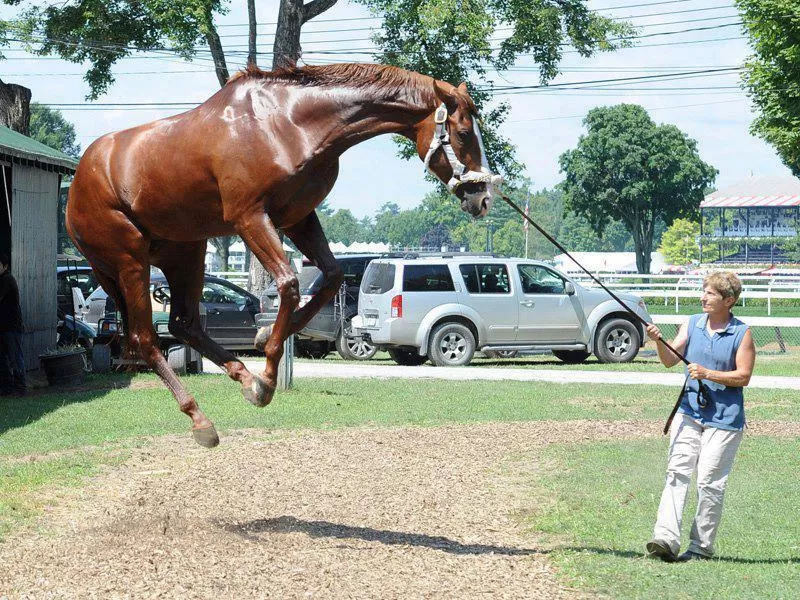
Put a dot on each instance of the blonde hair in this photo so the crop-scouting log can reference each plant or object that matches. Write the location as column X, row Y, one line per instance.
column 724, row 282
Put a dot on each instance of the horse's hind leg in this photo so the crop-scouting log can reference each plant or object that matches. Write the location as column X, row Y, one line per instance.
column 120, row 251
column 183, row 266
column 134, row 281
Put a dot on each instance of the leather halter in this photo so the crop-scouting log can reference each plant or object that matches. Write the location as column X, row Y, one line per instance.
column 461, row 175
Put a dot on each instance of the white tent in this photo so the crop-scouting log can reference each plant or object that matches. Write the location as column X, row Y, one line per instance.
column 358, row 247
column 610, row 262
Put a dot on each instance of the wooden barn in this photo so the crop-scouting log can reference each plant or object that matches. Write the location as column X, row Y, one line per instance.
column 31, row 177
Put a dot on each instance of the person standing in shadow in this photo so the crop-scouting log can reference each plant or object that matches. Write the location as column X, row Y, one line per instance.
column 12, row 360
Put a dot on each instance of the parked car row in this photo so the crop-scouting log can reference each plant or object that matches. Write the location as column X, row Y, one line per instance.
column 441, row 309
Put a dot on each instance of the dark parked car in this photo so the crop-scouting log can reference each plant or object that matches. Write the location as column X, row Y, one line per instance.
column 68, row 277
column 330, row 327
column 230, row 310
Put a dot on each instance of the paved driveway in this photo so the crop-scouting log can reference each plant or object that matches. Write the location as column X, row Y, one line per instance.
column 352, row 370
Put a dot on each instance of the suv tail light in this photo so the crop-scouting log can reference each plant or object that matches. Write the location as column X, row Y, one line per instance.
column 397, row 307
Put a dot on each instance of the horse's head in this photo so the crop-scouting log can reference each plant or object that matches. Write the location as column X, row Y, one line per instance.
column 449, row 141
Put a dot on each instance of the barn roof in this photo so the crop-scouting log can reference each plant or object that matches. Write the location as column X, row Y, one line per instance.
column 755, row 192
column 18, row 147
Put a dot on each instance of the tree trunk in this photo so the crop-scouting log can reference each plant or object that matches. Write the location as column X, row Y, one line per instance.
column 642, row 231
column 15, row 107
column 251, row 18
column 286, row 49
column 215, row 45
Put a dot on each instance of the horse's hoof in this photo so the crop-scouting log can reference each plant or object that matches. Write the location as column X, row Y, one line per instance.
column 262, row 335
column 206, row 436
column 259, row 393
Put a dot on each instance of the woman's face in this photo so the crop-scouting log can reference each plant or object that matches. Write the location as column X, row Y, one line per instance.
column 712, row 301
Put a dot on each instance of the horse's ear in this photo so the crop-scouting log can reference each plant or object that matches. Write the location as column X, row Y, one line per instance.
column 462, row 87
column 444, row 91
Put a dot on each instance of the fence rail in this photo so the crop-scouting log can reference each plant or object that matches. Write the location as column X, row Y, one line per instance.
column 676, row 287
column 778, row 334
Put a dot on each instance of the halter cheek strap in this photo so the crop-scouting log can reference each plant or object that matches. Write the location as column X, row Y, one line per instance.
column 461, row 175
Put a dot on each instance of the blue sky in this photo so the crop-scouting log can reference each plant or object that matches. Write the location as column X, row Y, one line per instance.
column 709, row 107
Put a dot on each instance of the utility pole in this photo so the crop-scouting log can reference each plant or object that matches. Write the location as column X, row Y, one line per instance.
column 525, row 222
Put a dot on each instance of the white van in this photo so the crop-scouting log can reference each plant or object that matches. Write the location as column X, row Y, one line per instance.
column 444, row 308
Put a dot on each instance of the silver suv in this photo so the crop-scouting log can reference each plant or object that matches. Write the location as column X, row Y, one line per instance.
column 444, row 308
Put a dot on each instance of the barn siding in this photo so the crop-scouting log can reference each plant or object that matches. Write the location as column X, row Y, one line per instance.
column 33, row 238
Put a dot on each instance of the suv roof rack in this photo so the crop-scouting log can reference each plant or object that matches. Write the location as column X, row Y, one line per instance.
column 414, row 255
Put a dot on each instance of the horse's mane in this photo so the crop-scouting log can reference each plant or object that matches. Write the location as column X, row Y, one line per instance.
column 376, row 77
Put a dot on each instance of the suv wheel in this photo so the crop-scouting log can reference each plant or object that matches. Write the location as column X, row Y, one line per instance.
column 571, row 357
column 407, row 358
column 451, row 345
column 617, row 341
column 353, row 348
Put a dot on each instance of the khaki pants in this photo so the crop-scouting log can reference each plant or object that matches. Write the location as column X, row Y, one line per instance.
column 711, row 451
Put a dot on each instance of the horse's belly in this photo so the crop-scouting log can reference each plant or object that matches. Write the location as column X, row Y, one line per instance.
column 181, row 220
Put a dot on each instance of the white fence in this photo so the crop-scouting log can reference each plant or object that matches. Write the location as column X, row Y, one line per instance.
column 675, row 287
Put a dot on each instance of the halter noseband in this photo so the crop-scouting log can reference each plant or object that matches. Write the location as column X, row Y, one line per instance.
column 461, row 175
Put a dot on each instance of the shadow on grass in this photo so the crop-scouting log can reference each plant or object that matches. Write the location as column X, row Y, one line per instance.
column 326, row 529
column 20, row 411
column 642, row 555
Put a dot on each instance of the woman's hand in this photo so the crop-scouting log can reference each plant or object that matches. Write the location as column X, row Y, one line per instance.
column 697, row 371
column 653, row 332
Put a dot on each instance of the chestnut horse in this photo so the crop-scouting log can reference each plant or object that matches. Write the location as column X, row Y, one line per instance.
column 254, row 159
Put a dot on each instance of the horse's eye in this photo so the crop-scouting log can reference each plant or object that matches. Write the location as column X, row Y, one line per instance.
column 463, row 135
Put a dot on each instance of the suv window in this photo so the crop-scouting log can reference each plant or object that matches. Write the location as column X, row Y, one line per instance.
column 378, row 279
column 539, row 280
column 485, row 278
column 427, row 278
column 353, row 271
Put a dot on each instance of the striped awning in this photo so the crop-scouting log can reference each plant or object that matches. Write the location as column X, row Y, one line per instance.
column 771, row 191
column 713, row 201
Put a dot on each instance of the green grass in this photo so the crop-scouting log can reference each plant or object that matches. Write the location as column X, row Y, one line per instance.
column 66, row 420
column 767, row 363
column 55, row 440
column 601, row 504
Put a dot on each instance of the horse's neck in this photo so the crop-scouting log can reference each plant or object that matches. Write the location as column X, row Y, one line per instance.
column 353, row 116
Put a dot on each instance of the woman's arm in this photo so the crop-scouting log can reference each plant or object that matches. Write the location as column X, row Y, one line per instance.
column 740, row 377
column 666, row 356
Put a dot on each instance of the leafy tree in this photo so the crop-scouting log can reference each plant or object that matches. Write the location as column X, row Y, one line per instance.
column 627, row 168
column 343, row 227
column 452, row 40
column 509, row 240
column 383, row 219
column 49, row 127
column 772, row 75
column 679, row 244
column 436, row 237
column 407, row 228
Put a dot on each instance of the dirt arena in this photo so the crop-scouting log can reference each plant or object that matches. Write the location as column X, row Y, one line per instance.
column 355, row 513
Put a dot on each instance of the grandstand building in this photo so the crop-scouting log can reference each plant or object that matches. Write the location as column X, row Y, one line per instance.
column 751, row 221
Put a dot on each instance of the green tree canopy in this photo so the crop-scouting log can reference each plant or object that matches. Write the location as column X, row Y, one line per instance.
column 453, row 40
column 772, row 75
column 49, row 127
column 629, row 169
column 679, row 243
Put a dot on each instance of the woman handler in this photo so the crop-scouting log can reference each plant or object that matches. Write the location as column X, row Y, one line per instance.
column 707, row 429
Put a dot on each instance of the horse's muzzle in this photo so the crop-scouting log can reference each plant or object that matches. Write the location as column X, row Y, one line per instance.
column 475, row 197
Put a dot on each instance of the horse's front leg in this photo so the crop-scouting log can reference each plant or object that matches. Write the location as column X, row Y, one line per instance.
column 310, row 239
column 260, row 235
